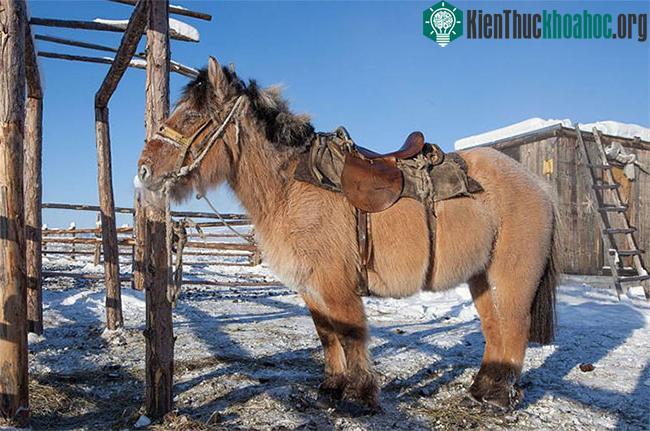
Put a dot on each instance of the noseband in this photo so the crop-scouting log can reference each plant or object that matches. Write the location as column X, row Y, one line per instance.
column 184, row 143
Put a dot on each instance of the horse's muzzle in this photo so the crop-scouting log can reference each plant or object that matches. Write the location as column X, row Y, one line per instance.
column 148, row 196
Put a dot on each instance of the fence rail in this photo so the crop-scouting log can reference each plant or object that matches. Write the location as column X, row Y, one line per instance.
column 212, row 245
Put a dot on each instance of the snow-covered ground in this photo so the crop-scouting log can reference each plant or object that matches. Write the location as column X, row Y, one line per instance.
column 249, row 358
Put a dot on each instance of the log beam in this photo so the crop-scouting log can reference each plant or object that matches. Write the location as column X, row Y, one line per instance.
column 175, row 10
column 14, row 400
column 92, row 25
column 236, row 219
column 125, row 52
column 176, row 67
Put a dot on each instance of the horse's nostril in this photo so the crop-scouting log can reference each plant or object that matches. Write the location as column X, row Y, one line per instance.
column 145, row 172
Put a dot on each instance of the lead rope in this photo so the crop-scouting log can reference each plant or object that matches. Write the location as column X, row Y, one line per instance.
column 172, row 290
column 223, row 220
column 175, row 269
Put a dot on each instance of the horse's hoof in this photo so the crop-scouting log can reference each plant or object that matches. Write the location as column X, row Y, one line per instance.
column 332, row 388
column 364, row 388
column 356, row 409
column 501, row 398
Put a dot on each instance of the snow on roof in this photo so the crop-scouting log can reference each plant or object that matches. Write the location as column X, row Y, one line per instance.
column 608, row 127
column 175, row 25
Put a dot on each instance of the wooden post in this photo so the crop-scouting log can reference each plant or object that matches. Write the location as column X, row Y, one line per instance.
column 109, row 233
column 73, row 245
column 14, row 401
column 128, row 45
column 97, row 258
column 33, row 186
column 159, row 330
column 33, row 218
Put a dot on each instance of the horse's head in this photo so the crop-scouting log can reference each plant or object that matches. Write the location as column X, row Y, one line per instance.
column 194, row 148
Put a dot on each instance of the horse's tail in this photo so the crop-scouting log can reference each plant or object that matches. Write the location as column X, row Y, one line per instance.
column 542, row 310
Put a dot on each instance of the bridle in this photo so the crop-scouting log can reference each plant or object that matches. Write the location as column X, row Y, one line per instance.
column 169, row 135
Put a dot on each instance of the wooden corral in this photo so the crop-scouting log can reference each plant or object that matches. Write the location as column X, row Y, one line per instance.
column 21, row 184
column 552, row 153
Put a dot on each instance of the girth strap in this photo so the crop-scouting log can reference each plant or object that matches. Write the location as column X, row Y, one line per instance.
column 364, row 242
column 431, row 227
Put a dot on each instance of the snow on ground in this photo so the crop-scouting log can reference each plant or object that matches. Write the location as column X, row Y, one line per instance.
column 613, row 128
column 249, row 358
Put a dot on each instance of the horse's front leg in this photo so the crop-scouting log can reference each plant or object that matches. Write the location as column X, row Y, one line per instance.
column 339, row 305
column 335, row 380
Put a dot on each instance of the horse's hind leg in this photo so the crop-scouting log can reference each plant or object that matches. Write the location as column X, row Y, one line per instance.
column 335, row 365
column 511, row 295
column 513, row 298
column 484, row 303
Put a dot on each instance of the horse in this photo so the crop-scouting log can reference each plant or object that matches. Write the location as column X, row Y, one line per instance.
column 502, row 241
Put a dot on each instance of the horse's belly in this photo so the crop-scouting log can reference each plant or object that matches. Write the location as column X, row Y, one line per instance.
column 401, row 249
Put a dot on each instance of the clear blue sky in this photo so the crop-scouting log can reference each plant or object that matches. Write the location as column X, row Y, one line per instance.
column 364, row 65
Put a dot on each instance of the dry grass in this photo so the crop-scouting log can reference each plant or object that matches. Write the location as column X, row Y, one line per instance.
column 48, row 400
column 177, row 422
column 8, row 423
column 451, row 415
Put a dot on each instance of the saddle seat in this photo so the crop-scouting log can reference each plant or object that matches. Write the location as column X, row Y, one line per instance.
column 373, row 182
column 413, row 146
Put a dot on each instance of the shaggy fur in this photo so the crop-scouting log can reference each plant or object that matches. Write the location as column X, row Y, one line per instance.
column 500, row 240
column 281, row 126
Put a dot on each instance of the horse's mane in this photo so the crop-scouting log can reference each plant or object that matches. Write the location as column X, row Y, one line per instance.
column 281, row 126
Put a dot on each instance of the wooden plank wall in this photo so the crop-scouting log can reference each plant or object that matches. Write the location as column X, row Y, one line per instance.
column 640, row 204
column 581, row 245
column 582, row 249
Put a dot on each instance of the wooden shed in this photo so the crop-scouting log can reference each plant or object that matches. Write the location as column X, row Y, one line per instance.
column 552, row 152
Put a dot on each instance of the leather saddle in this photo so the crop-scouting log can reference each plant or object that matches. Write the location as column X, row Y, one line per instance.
column 373, row 182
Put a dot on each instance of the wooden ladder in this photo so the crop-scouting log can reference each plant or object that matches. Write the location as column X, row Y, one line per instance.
column 614, row 225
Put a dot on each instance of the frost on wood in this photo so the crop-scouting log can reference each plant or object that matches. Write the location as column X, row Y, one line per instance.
column 178, row 27
column 608, row 127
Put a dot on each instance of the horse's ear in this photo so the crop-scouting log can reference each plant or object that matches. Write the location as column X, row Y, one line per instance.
column 217, row 78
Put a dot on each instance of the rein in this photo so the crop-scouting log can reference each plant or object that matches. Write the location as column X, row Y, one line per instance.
column 184, row 143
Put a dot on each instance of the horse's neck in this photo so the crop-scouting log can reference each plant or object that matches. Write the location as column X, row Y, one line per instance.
column 261, row 180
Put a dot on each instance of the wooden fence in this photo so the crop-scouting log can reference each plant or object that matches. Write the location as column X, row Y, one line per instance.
column 213, row 245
